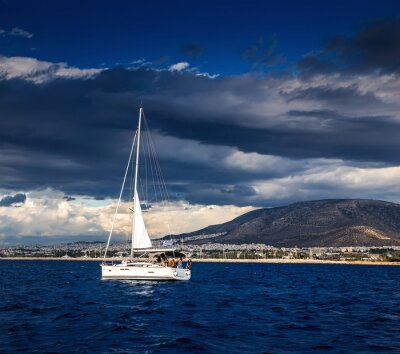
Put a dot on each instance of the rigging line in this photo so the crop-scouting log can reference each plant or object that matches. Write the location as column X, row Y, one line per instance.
column 142, row 174
column 161, row 184
column 164, row 186
column 119, row 199
column 145, row 170
column 147, row 162
column 153, row 171
column 153, row 178
column 141, row 178
column 160, row 173
column 141, row 188
column 148, row 154
column 149, row 171
column 157, row 183
column 130, row 197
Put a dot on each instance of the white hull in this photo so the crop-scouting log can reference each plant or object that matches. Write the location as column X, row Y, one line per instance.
column 143, row 271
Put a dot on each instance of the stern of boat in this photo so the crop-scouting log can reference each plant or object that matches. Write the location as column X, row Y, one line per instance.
column 181, row 273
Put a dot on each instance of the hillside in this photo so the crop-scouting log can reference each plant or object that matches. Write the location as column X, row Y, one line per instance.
column 321, row 223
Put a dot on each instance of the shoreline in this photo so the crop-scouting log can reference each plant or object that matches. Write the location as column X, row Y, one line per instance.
column 293, row 261
column 215, row 260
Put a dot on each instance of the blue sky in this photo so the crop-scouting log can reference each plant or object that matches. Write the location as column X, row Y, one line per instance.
column 103, row 33
column 250, row 104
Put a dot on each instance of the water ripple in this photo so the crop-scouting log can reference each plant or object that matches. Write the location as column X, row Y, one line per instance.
column 50, row 306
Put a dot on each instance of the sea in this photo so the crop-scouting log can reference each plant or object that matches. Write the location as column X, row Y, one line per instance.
column 65, row 307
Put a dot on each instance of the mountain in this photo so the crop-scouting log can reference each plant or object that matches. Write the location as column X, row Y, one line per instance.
column 320, row 223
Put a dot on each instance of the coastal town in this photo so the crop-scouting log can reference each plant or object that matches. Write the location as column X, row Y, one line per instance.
column 207, row 251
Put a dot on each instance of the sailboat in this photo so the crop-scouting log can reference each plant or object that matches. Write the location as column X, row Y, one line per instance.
column 161, row 263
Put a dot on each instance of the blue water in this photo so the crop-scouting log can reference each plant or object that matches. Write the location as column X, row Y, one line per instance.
column 63, row 306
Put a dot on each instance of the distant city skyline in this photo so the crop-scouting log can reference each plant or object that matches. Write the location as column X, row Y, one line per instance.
column 251, row 104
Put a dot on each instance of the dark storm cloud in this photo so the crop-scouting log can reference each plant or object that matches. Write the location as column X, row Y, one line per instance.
column 75, row 134
column 192, row 49
column 214, row 193
column 11, row 200
column 374, row 47
column 368, row 138
column 336, row 96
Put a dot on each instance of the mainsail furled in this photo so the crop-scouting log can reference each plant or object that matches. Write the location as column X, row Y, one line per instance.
column 140, row 237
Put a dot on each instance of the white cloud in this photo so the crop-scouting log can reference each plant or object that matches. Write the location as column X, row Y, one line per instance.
column 37, row 71
column 179, row 66
column 333, row 181
column 192, row 151
column 255, row 162
column 185, row 66
column 168, row 217
column 19, row 32
column 179, row 217
column 264, row 103
column 267, row 103
column 48, row 213
column 207, row 75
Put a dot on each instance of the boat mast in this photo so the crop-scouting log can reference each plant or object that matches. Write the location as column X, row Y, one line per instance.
column 136, row 173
